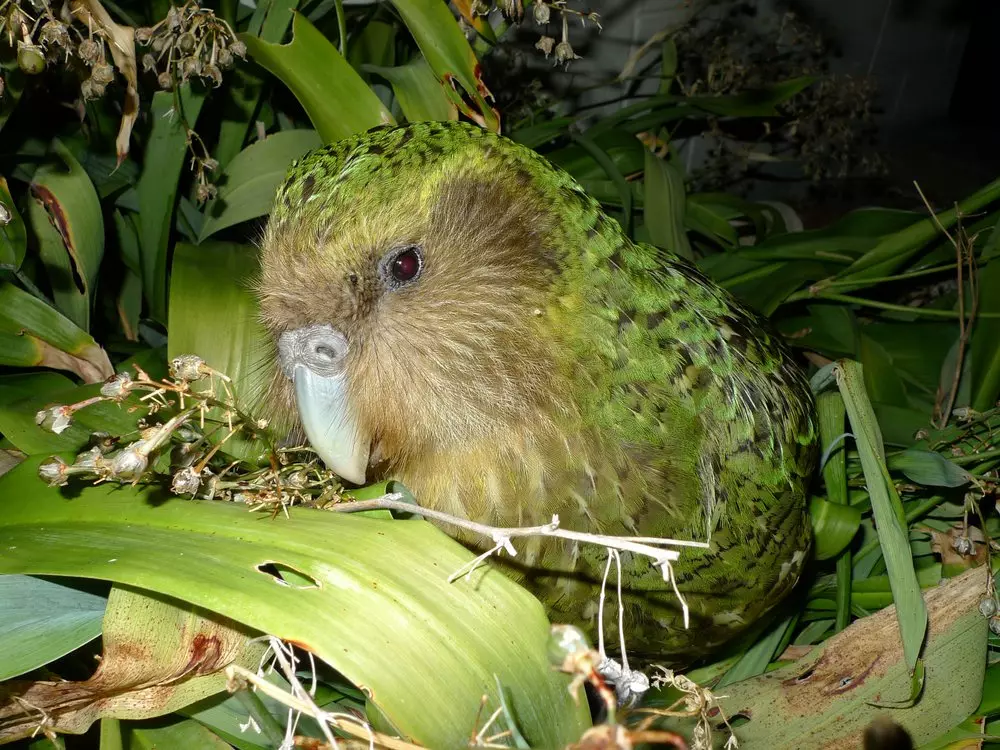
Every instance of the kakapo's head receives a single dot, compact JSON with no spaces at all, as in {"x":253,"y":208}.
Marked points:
{"x":409,"y":277}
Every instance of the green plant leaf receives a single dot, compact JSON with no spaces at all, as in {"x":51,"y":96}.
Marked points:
{"x":210,"y":292}
{"x":983,"y":350}
{"x":929,"y":468}
{"x":756,"y":659}
{"x":449,"y":55}
{"x":420,"y":94}
{"x":66,"y":218}
{"x":166,"y":155}
{"x":834,"y":526}
{"x":13,"y":237}
{"x":33,"y":334}
{"x":338,"y":101}
{"x":888,"y":509}
{"x":665,"y":205}
{"x":42,"y":620}
{"x":185,"y":733}
{"x":894,"y":250}
{"x":248,"y":186}
{"x":381,"y":612}
{"x":755,"y":103}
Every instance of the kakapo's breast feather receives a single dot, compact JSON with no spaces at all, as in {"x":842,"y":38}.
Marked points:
{"x":687,"y":419}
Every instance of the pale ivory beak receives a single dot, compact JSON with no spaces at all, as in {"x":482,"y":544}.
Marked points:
{"x":313,"y":358}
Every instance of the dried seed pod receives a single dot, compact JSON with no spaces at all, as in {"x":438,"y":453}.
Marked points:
{"x":186,"y":42}
{"x":117,"y":387}
{"x":185,"y":482}
{"x":54,"y":472}
{"x":541,"y":13}
{"x":165,"y":81}
{"x":102,"y":74}
{"x":89,"y":51}
{"x":143,"y":34}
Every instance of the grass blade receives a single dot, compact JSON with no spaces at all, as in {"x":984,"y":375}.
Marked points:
{"x":890,"y":521}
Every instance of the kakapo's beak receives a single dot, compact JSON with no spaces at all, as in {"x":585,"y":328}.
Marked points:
{"x":314,"y":358}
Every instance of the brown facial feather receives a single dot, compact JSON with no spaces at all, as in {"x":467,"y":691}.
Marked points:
{"x":458,"y":357}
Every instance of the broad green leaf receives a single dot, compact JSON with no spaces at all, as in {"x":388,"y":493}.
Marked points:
{"x":984,"y":353}
{"x":111,"y":735}
{"x":33,"y":334}
{"x":889,"y":517}
{"x":382,"y":612}
{"x":449,"y":55}
{"x":185,"y":733}
{"x":708,"y":222}
{"x":209,"y":293}
{"x":339,"y":103}
{"x":756,"y":659}
{"x":247,"y":187}
{"x":882,"y":381}
{"x":166,"y":155}
{"x":894,"y":250}
{"x":42,"y":620}
{"x":831,"y":691}
{"x":66,"y":218}
{"x":665,"y":205}
{"x":420,"y":94}
{"x":929,"y":468}
{"x":834,"y":526}
{"x":13,"y":237}
{"x":241,"y":98}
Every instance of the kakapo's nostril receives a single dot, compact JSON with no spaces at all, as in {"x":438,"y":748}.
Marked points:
{"x":321,"y":348}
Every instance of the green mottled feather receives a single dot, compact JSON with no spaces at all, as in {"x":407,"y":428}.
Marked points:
{"x":670,"y":409}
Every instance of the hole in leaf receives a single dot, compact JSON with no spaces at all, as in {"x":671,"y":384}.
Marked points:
{"x":287,"y":576}
{"x":737,"y":720}
{"x":804,"y":677}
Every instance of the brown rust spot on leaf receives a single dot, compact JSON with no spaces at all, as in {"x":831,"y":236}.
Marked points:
{"x":57,"y":216}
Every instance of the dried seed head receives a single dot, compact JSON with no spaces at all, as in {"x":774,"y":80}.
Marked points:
{"x":54,"y":33}
{"x":512,"y":10}
{"x":545,"y":44}
{"x":479,"y":8}
{"x":89,"y":51}
{"x":159,"y":44}
{"x":102,"y":74}
{"x":964,"y":546}
{"x":213,"y":73}
{"x":89,"y":459}
{"x":205,"y":192}
{"x":565,"y":53}
{"x":988,"y":607}
{"x":187,"y":367}
{"x":148,"y":63}
{"x":239,"y":49}
{"x":174,"y":18}
{"x":224,"y":58}
{"x":185,"y":482}
{"x":54,"y":472}
{"x":189,"y":66}
{"x":209,"y":164}
{"x":186,"y":42}
{"x":91,"y":90}
{"x":143,"y":34}
{"x":30,"y":58}
{"x":165,"y":81}
{"x":130,"y":463}
{"x":55,"y":418}
{"x":117,"y":386}
{"x":541,"y":13}
{"x":297,"y":480}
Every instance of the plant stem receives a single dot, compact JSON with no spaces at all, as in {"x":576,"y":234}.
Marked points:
{"x":925,"y":311}
{"x":341,"y":26}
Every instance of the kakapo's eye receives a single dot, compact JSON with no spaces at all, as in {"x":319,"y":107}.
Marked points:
{"x":402,"y":265}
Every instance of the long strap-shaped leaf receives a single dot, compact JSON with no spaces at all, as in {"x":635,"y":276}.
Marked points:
{"x":888,"y":509}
